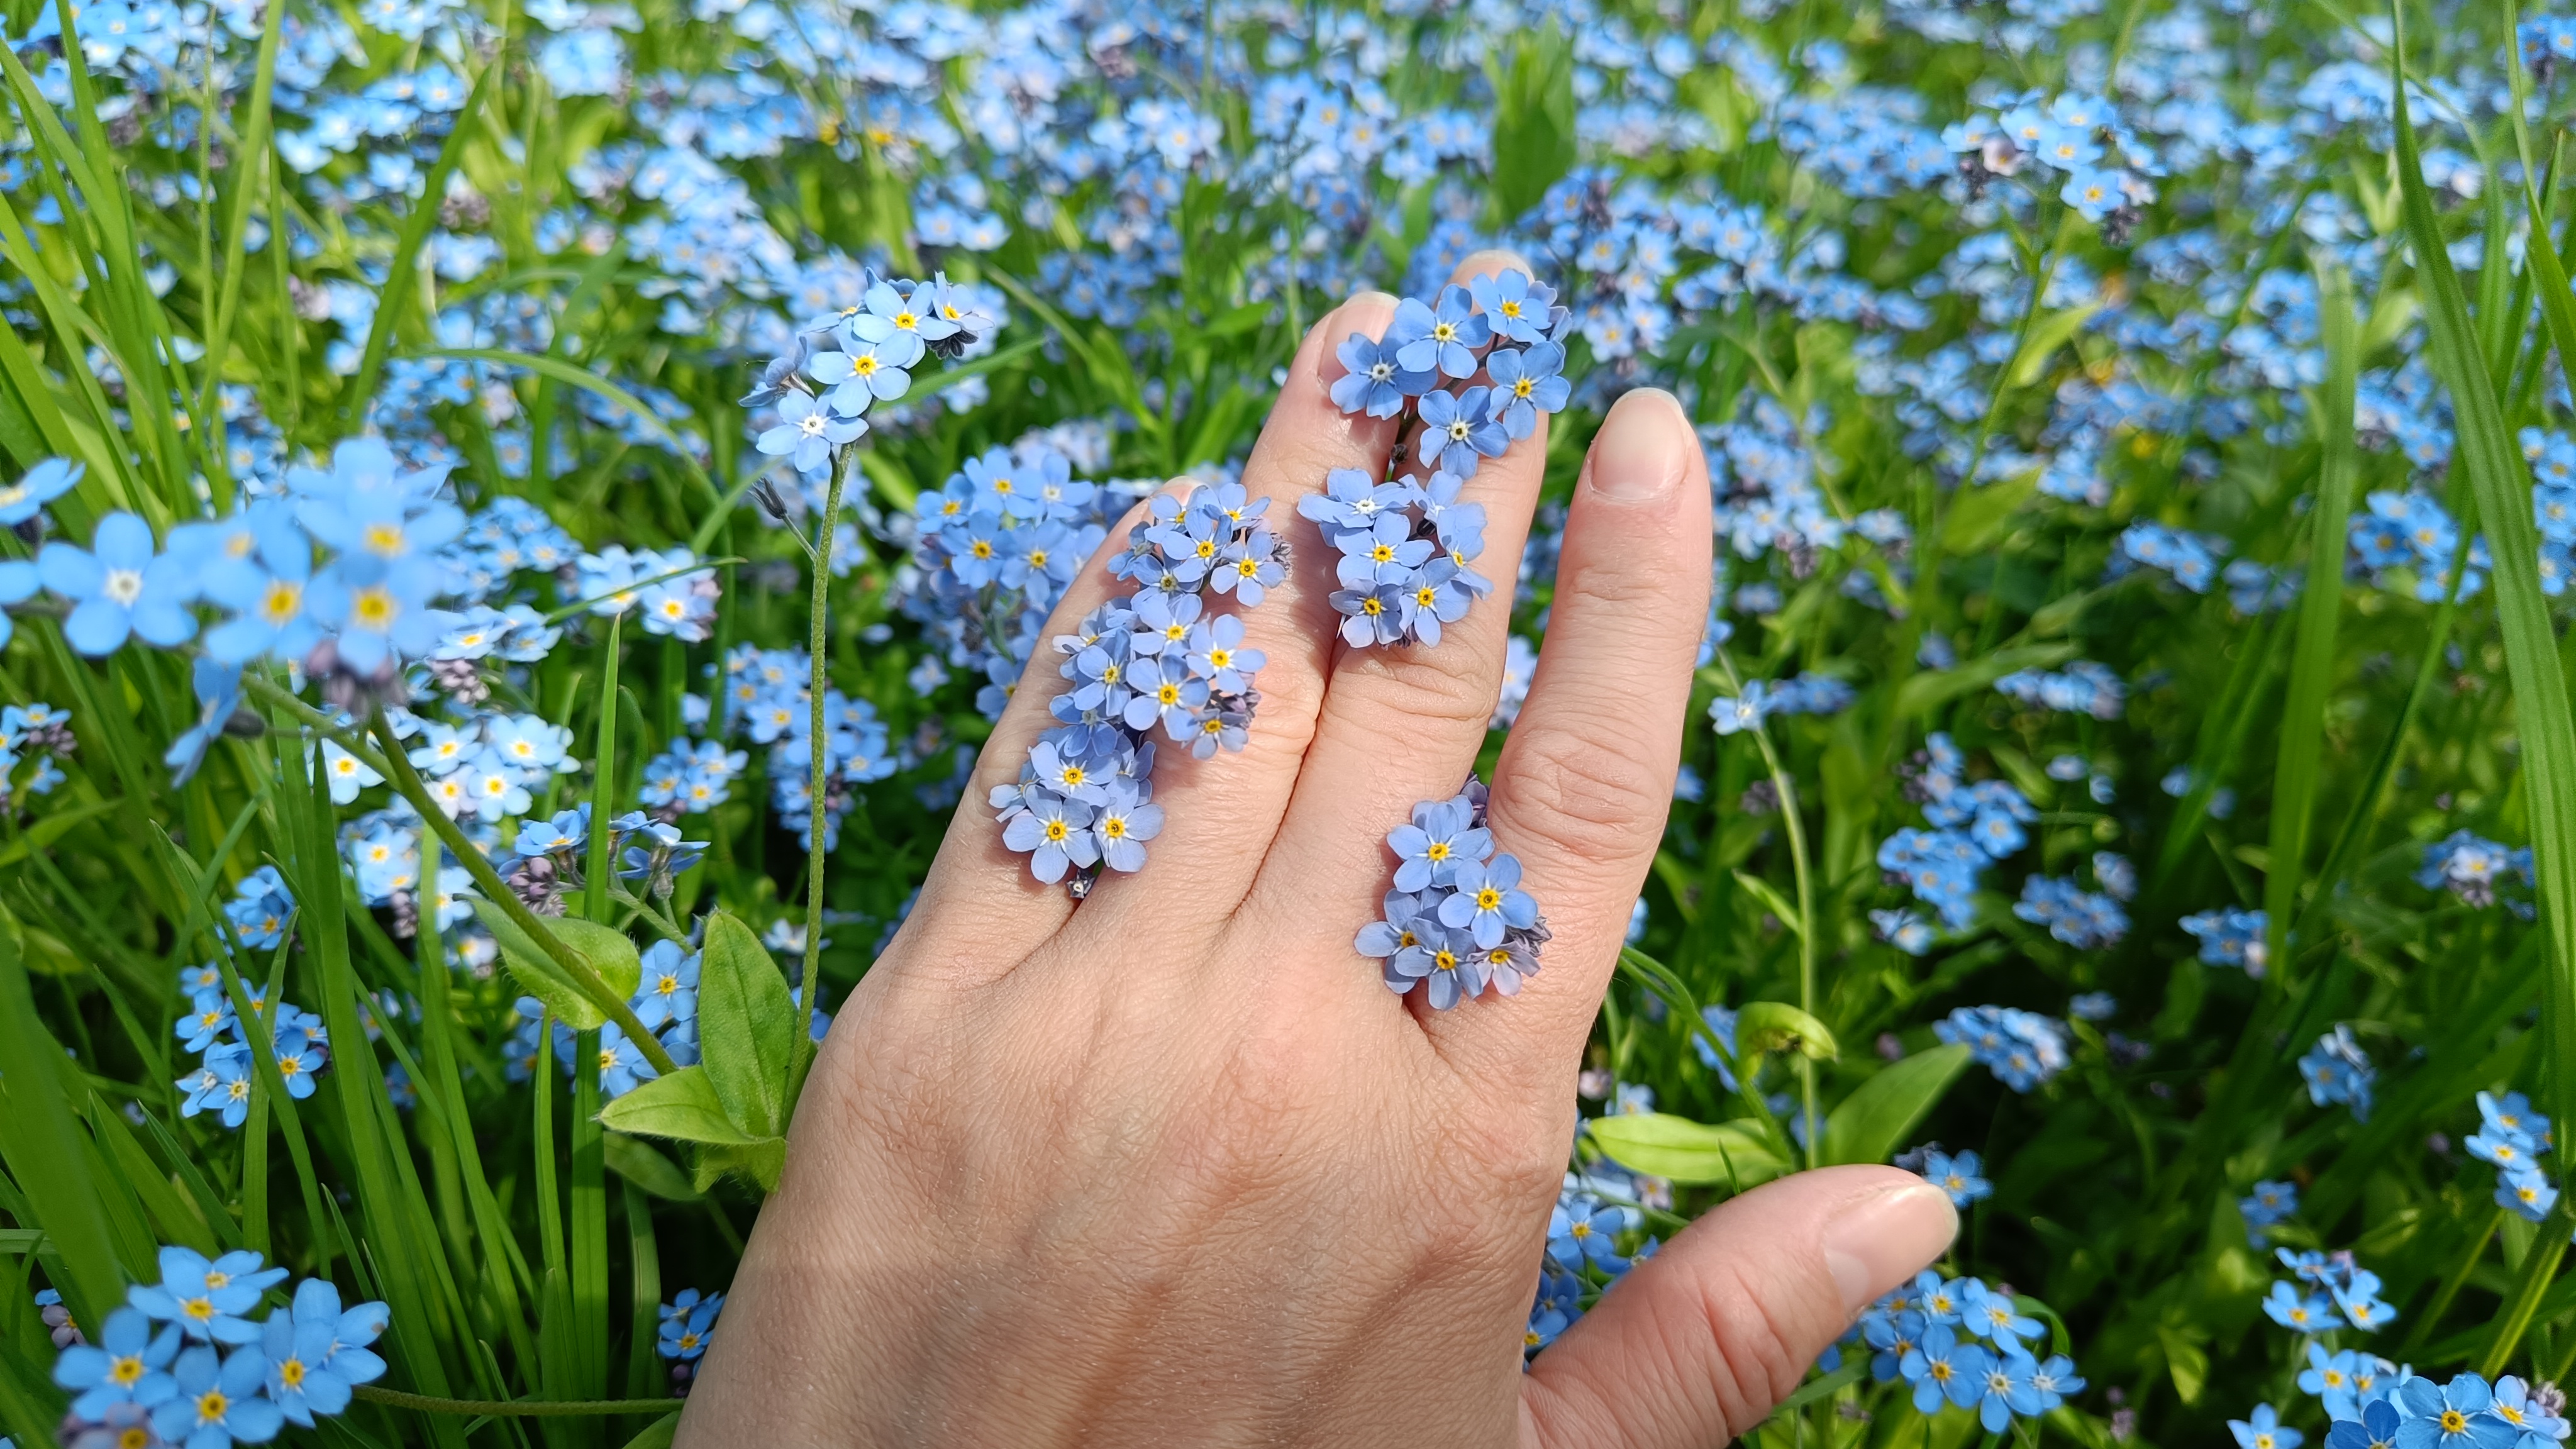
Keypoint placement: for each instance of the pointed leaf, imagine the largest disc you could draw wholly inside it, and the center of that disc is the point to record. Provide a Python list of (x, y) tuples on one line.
[(1878, 1114), (746, 1026), (1687, 1152), (681, 1106)]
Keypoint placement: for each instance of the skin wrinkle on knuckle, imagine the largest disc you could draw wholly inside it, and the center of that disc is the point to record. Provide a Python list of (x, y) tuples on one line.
[(1592, 803)]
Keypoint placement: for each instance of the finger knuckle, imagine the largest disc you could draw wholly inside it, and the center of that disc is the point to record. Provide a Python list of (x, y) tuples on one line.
[(1756, 1364), (1581, 794), (1428, 687)]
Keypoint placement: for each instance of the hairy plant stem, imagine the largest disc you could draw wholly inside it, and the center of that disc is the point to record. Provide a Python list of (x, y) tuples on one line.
[(817, 643)]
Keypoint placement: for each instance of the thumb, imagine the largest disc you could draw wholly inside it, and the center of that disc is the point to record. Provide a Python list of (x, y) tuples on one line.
[(1697, 1343)]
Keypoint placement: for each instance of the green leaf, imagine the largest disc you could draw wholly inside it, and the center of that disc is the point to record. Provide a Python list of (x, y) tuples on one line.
[(1691, 1153), (658, 1434), (1868, 1124), (2046, 335), (1772, 901), (746, 1026), (1776, 1026), (41, 1143), (607, 950), (1533, 136), (1978, 515), (759, 1161), (642, 1164), (681, 1106)]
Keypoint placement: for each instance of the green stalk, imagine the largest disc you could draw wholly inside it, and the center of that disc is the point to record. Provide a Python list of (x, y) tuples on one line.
[(817, 645), (2452, 1282), (603, 788)]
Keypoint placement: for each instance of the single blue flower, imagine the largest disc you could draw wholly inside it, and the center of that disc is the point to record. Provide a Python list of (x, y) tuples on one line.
[(1442, 337), (1216, 654), (206, 1299), (2303, 1313), (808, 431), (2006, 1377), (1513, 305), (1458, 433), (129, 1365), (2263, 1429), (1958, 1176), (1528, 383), (1488, 900), (1994, 1316), (1942, 1368), (119, 588), (218, 1402), (1581, 1232), (1442, 837), (48, 480), (1375, 382), (687, 1323), (1122, 825)]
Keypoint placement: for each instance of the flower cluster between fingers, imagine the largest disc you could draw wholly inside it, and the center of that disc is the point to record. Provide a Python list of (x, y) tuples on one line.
[(1457, 921), (1160, 658), (182, 1361), (1406, 545)]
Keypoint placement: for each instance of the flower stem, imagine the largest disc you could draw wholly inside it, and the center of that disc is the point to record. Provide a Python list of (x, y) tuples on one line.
[(817, 642)]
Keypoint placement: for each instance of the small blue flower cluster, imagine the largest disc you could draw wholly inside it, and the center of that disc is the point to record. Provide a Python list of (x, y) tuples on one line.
[(2515, 1138), (2339, 1292), (2336, 1070), (260, 908), (853, 357), (1405, 549), (1457, 920), (2268, 1206), (1759, 700), (767, 699), (1084, 798), (2085, 920), (2469, 867), (1973, 826), (1961, 1342), (299, 1042), (2084, 687), (2064, 138), (688, 1326), (210, 1376), (663, 588), (2022, 1048), (2412, 532), (2464, 1413), (2230, 937), (37, 731), (997, 544), (2345, 1381), (1593, 1211), (1405, 545), (1958, 1174), (2189, 559)]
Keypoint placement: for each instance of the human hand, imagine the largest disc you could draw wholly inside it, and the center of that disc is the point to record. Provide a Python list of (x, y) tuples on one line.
[(1172, 1166)]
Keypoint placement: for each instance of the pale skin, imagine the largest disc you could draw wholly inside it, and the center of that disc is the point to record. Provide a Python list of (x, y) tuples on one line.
[(1171, 1166)]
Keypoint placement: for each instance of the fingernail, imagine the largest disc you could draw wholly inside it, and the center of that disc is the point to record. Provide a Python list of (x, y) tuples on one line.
[(1643, 448), (1874, 1242)]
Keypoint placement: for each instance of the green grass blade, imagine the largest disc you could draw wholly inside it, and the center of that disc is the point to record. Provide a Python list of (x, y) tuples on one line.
[(2496, 475), (2294, 780), (41, 1144)]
